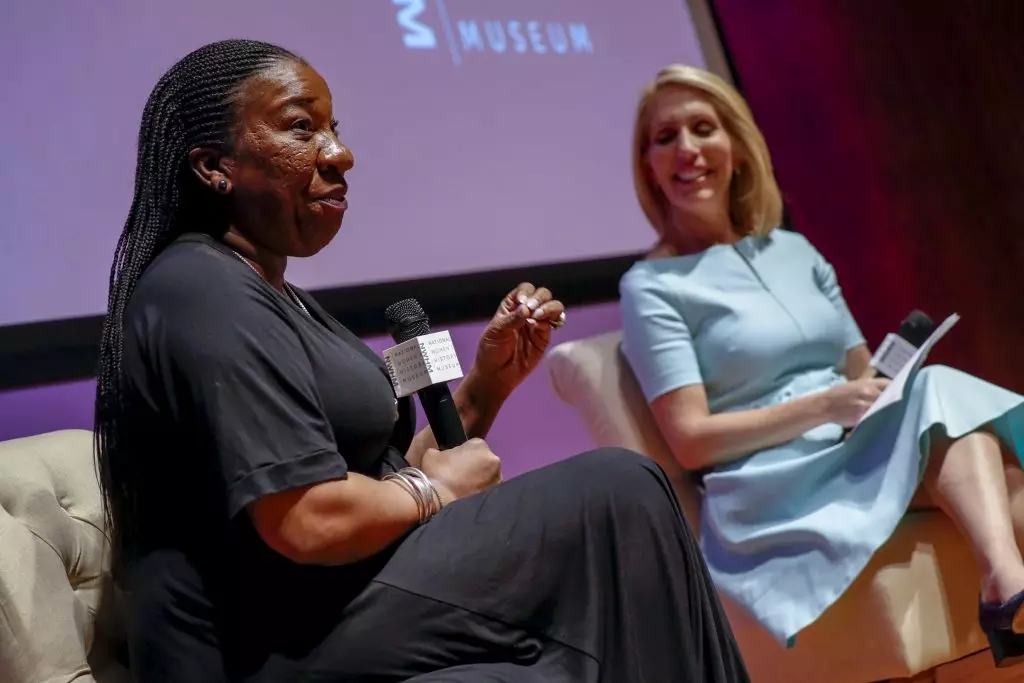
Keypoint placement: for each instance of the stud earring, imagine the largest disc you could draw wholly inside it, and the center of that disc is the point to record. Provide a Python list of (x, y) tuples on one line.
[(222, 185)]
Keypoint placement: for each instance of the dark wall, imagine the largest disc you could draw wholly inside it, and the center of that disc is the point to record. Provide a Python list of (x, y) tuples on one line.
[(897, 131)]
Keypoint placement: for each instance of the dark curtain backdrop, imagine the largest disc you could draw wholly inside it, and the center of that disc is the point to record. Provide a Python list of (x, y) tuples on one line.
[(897, 132)]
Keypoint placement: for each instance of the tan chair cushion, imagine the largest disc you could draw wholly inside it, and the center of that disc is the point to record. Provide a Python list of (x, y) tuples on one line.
[(913, 608), (53, 557)]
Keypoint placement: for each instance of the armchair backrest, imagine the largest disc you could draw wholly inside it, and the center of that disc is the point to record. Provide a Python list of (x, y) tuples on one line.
[(594, 377)]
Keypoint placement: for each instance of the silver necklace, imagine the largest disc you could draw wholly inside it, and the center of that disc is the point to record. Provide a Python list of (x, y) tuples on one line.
[(287, 287)]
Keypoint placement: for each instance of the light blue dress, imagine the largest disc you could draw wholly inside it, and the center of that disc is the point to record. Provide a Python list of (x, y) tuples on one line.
[(786, 530)]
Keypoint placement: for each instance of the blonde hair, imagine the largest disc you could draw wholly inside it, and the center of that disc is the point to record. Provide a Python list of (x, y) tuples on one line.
[(755, 203)]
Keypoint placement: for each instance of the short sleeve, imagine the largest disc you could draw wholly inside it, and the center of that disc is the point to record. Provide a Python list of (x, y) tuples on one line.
[(655, 339), (228, 365), (828, 283)]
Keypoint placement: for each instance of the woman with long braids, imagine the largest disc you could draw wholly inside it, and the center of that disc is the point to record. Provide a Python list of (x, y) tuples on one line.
[(274, 515)]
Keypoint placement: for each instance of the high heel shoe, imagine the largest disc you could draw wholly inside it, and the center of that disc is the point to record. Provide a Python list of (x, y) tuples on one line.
[(1004, 627)]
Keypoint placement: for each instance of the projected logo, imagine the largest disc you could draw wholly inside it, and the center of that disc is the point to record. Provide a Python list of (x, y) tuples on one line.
[(466, 37)]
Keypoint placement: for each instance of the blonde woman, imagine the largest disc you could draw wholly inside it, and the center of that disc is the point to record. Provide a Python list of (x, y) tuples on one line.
[(753, 366)]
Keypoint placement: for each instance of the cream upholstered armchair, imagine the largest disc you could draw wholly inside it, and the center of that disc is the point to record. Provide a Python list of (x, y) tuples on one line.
[(912, 612), (59, 617)]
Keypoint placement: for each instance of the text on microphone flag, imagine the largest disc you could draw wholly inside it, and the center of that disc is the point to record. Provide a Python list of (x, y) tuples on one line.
[(422, 361)]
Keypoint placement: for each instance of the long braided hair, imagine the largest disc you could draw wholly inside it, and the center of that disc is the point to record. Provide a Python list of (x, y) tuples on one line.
[(192, 105)]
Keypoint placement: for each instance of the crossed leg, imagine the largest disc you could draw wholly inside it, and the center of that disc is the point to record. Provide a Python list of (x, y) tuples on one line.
[(978, 482)]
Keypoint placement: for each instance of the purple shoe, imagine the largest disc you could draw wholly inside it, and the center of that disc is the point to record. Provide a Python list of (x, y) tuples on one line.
[(1004, 626)]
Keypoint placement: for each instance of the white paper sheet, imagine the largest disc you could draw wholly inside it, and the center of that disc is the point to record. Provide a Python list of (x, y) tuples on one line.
[(894, 392)]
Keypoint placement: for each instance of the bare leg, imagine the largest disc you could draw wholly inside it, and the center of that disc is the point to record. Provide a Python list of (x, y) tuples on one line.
[(967, 480), (1015, 487)]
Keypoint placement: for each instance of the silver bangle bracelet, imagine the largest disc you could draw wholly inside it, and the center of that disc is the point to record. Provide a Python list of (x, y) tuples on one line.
[(417, 485), (412, 490), (427, 488)]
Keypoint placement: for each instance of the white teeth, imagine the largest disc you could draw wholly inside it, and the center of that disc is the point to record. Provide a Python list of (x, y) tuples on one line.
[(690, 177)]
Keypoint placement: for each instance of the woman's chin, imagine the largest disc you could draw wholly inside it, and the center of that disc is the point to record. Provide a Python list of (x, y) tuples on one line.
[(316, 240), (700, 200)]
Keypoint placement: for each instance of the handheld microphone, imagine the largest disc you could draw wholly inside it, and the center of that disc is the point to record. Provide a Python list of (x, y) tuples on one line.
[(897, 349), (424, 363)]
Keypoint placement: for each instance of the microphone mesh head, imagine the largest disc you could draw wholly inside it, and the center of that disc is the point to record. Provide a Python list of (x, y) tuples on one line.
[(406, 320), (917, 327)]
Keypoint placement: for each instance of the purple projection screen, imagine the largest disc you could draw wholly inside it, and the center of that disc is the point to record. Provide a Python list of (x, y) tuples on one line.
[(487, 133)]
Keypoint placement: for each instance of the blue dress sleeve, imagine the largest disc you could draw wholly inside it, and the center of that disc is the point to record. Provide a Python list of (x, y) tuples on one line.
[(655, 339), (828, 283)]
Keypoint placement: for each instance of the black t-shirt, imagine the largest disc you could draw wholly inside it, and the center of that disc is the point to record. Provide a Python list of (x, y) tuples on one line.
[(234, 393)]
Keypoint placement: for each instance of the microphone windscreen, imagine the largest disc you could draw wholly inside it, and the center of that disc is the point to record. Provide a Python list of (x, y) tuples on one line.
[(406, 319), (917, 327)]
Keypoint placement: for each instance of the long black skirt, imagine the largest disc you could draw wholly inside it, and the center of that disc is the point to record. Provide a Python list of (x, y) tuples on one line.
[(577, 572)]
